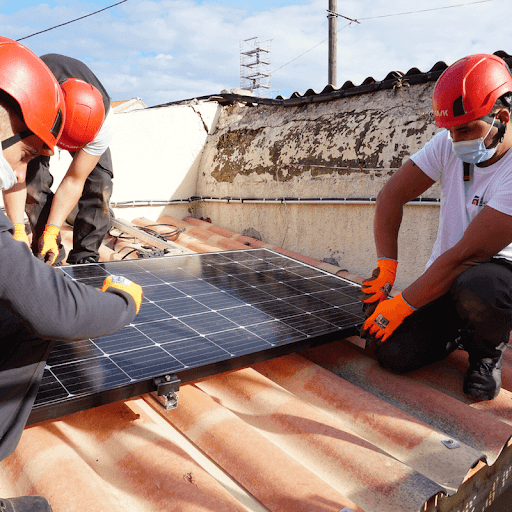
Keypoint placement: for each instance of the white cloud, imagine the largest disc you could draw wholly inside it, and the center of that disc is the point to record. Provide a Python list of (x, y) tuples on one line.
[(168, 50)]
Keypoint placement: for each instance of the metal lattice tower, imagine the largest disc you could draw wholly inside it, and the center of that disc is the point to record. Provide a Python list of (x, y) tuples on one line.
[(255, 73)]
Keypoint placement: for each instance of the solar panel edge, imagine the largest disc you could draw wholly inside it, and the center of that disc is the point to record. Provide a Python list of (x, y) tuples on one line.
[(50, 411), (270, 325)]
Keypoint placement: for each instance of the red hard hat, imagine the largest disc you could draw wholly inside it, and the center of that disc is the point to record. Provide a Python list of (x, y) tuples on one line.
[(27, 79), (84, 113), (469, 88)]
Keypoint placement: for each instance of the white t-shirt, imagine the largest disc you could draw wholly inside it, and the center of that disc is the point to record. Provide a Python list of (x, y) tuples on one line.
[(102, 141), (461, 200)]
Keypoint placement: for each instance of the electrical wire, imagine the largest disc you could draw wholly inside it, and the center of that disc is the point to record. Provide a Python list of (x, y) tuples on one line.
[(146, 251), (120, 237), (273, 71), (425, 10), (171, 236), (142, 251), (383, 16), (128, 254), (72, 21)]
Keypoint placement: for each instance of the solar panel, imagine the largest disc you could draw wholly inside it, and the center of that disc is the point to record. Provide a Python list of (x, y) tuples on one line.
[(202, 314)]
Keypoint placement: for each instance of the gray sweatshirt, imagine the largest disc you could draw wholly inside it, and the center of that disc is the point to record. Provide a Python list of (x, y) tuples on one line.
[(49, 304)]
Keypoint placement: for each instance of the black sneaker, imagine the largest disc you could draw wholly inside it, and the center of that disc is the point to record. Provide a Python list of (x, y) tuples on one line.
[(483, 378), (25, 504)]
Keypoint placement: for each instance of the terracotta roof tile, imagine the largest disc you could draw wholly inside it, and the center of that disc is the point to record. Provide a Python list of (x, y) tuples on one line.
[(326, 430)]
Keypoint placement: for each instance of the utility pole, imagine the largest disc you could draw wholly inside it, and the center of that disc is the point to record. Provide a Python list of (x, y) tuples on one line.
[(333, 42)]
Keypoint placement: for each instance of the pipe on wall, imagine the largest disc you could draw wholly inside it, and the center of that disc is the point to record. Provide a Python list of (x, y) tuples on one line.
[(420, 201)]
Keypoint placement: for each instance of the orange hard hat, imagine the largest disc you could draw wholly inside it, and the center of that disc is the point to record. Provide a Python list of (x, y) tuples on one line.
[(85, 113), (468, 89), (27, 79)]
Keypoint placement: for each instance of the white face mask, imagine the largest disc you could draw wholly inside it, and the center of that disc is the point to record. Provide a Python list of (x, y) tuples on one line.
[(7, 177), (474, 151)]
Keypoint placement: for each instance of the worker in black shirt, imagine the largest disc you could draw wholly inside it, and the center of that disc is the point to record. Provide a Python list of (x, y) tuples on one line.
[(87, 133), (38, 303)]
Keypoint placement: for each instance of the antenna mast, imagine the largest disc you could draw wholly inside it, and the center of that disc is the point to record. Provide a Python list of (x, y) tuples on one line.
[(255, 72)]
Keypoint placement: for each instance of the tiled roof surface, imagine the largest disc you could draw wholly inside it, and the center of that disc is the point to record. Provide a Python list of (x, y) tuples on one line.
[(326, 430), (328, 93)]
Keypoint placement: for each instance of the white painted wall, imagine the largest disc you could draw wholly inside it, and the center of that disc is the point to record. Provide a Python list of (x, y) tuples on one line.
[(155, 154)]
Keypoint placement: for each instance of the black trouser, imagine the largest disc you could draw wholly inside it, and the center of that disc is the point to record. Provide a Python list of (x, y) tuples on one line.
[(22, 361), (92, 221), (478, 304)]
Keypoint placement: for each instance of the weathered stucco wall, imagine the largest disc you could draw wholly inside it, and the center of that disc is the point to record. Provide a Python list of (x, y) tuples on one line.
[(343, 148), (346, 148)]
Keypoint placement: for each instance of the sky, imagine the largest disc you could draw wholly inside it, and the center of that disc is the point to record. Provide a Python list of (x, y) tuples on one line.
[(170, 50)]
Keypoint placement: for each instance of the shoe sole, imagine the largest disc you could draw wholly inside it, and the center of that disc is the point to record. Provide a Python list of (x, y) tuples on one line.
[(478, 395)]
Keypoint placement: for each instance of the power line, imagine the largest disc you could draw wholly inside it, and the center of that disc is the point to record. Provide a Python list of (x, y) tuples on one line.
[(72, 21), (426, 10), (321, 42), (375, 17)]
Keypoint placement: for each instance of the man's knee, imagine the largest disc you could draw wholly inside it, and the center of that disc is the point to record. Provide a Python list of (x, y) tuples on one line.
[(482, 289), (475, 278), (98, 188), (393, 358)]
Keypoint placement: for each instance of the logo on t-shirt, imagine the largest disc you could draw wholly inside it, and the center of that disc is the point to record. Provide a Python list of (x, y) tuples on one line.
[(478, 201)]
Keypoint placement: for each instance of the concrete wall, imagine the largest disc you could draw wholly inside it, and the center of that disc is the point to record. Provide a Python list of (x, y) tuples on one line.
[(341, 235), (340, 149)]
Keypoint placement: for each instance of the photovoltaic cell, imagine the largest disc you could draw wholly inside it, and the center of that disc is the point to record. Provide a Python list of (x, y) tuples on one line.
[(201, 314)]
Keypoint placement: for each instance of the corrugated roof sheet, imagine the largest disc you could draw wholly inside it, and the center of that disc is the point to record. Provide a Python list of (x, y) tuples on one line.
[(326, 430), (392, 80)]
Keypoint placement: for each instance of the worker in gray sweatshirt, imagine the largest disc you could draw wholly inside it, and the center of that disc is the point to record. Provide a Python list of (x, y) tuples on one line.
[(38, 303)]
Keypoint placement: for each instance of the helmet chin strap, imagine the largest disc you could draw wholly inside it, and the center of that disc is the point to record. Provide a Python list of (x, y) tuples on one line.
[(16, 138), (502, 128)]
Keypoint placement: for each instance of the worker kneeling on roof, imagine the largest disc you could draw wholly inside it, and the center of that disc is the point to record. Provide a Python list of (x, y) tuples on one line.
[(464, 297), (87, 186), (38, 303)]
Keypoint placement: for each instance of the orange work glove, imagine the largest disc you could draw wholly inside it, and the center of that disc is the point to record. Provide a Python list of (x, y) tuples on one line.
[(379, 286), (49, 244), (20, 234), (125, 285), (388, 315)]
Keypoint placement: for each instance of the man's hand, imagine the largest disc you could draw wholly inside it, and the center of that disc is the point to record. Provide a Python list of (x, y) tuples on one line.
[(379, 286), (49, 244), (20, 234), (125, 285), (388, 315)]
